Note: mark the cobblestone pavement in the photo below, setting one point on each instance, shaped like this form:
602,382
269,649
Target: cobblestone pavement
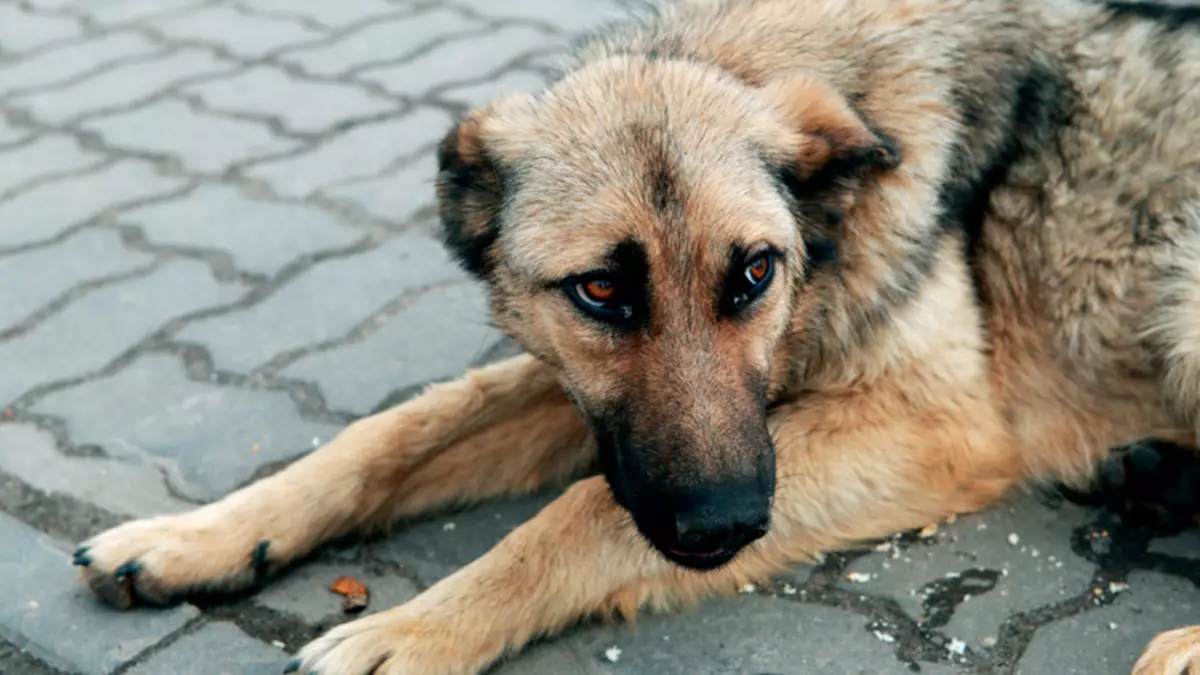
216,249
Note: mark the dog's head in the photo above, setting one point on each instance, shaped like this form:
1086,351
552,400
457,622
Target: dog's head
641,226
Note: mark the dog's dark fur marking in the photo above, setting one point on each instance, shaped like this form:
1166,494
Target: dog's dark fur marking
473,188
1171,16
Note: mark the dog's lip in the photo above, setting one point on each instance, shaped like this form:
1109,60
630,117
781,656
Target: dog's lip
706,560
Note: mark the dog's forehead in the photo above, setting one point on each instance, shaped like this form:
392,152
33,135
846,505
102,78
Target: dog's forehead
605,166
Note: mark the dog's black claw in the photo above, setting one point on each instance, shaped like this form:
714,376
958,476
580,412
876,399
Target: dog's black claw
259,558
129,569
292,666
80,557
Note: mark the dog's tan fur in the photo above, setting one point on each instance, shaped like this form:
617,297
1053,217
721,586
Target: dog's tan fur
919,374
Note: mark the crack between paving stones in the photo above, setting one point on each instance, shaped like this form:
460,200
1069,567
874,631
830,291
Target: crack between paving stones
80,290
221,263
102,69
166,642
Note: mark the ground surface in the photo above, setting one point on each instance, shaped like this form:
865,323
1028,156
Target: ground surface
215,251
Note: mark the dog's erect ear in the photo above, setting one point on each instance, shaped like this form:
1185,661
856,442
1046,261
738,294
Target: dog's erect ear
834,141
470,193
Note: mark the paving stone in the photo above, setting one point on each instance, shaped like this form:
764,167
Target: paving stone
436,337
331,14
127,486
744,634
436,546
478,95
216,649
203,142
21,31
1110,639
46,612
1040,569
300,105
460,60
245,36
120,87
56,66
44,274
44,211
315,307
207,438
572,17
1184,545
384,41
550,658
48,155
395,197
98,327
14,660
10,135
262,237
119,12
304,592
362,152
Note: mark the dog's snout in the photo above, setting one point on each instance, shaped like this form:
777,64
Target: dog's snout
710,528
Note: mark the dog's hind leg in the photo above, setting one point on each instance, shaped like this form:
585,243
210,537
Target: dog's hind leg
505,428
850,468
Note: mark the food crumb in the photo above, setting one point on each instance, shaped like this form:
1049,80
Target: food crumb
316,442
981,526
1112,625
789,589
1117,587
748,588
255,448
884,637
1033,552
928,531
1014,539
957,646
278,644
448,527
989,642
354,591
612,654
858,577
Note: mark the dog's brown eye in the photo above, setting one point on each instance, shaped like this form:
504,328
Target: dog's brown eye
757,270
598,291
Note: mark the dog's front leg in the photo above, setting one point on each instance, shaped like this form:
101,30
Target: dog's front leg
849,469
504,428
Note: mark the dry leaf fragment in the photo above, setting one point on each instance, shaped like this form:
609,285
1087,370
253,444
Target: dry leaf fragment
355,593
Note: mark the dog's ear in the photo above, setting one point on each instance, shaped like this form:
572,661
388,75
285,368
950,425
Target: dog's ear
834,142
470,193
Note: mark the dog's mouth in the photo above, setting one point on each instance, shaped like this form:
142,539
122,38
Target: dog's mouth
708,560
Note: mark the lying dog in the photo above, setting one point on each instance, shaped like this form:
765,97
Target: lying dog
793,274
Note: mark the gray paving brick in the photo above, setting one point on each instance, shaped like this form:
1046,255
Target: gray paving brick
126,486
22,31
1041,568
47,155
397,196
744,634
216,649
207,438
44,274
120,12
572,17
301,106
332,14
461,60
435,337
122,86
64,63
304,592
46,210
48,613
203,142
242,35
384,40
262,237
10,134
1183,545
1110,639
314,307
98,327
362,152
550,658
478,95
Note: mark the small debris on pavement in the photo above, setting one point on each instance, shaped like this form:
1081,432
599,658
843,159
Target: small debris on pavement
612,654
278,644
1117,587
449,527
355,593
957,646
928,531
747,589
1014,539
884,637
857,577
255,448
789,589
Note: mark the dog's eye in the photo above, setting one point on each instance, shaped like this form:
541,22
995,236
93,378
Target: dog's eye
755,278
600,297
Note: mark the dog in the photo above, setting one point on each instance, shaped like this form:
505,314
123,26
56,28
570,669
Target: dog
789,275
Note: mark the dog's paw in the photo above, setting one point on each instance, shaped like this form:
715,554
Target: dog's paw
1175,652
1153,481
158,560
397,642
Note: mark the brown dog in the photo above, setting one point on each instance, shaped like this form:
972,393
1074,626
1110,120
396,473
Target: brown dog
795,273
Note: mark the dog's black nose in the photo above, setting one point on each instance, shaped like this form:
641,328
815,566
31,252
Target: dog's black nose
710,529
